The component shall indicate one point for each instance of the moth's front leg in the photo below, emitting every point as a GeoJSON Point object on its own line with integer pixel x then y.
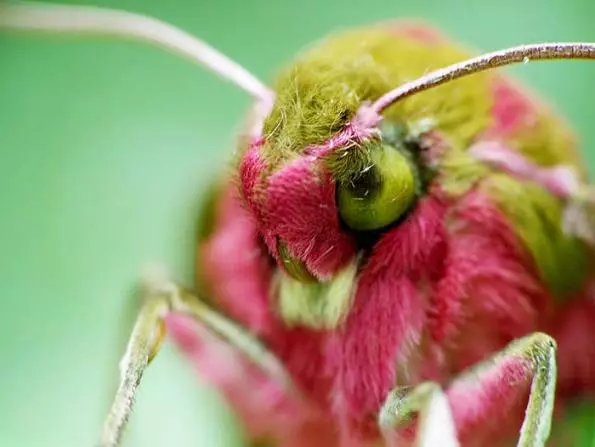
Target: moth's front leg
{"type": "Point", "coordinates": [162, 301]}
{"type": "Point", "coordinates": [480, 393]}
{"type": "Point", "coordinates": [436, 425]}
{"type": "Point", "coordinates": [144, 342]}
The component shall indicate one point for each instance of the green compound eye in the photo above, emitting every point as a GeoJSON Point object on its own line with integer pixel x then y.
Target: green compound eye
{"type": "Point", "coordinates": [380, 194]}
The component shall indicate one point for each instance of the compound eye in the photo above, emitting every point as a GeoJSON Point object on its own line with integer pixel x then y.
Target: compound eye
{"type": "Point", "coordinates": [381, 193]}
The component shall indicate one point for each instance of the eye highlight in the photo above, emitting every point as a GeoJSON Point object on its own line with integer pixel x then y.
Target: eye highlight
{"type": "Point", "coordinates": [379, 194]}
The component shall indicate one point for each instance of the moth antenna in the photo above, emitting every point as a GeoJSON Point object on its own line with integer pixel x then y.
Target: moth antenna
{"type": "Point", "coordinates": [488, 61]}
{"type": "Point", "coordinates": [91, 20]}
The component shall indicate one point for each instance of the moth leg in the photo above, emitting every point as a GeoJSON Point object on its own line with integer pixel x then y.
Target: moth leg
{"type": "Point", "coordinates": [486, 390]}
{"type": "Point", "coordinates": [495, 381]}
{"type": "Point", "coordinates": [184, 301]}
{"type": "Point", "coordinates": [143, 344]}
{"type": "Point", "coordinates": [161, 297]}
{"type": "Point", "coordinates": [436, 424]}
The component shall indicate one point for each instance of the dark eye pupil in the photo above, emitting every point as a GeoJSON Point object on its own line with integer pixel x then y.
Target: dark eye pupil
{"type": "Point", "coordinates": [365, 184]}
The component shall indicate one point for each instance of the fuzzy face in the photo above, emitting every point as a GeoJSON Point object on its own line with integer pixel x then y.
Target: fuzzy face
{"type": "Point", "coordinates": [320, 217]}
{"type": "Point", "coordinates": [322, 201]}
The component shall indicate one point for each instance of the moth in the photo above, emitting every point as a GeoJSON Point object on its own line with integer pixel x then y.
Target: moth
{"type": "Point", "coordinates": [400, 256]}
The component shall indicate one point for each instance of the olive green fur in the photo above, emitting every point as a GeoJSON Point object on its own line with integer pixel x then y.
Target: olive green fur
{"type": "Point", "coordinates": [323, 89]}
{"type": "Point", "coordinates": [346, 163]}
{"type": "Point", "coordinates": [563, 261]}
{"type": "Point", "coordinates": [317, 305]}
{"type": "Point", "coordinates": [460, 171]}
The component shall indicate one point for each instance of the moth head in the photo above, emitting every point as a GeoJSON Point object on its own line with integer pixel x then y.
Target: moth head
{"type": "Point", "coordinates": [315, 207]}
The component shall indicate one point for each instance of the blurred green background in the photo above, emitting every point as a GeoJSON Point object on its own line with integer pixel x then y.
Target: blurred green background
{"type": "Point", "coordinates": [105, 148]}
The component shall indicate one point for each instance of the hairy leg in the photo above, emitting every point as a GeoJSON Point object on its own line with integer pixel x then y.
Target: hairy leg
{"type": "Point", "coordinates": [481, 393]}
{"type": "Point", "coordinates": [160, 298]}
{"type": "Point", "coordinates": [436, 425]}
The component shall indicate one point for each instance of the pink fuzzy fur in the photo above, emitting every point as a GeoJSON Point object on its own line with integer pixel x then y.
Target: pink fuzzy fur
{"type": "Point", "coordinates": [251, 169]}
{"type": "Point", "coordinates": [238, 266]}
{"type": "Point", "coordinates": [387, 317]}
{"type": "Point", "coordinates": [264, 408]}
{"type": "Point", "coordinates": [511, 110]}
{"type": "Point", "coordinates": [239, 273]}
{"type": "Point", "coordinates": [301, 211]}
{"type": "Point", "coordinates": [478, 402]}
{"type": "Point", "coordinates": [485, 264]}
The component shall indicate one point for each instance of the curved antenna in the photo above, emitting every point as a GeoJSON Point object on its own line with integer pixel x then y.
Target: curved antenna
{"type": "Point", "coordinates": [488, 61]}
{"type": "Point", "coordinates": [90, 20]}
